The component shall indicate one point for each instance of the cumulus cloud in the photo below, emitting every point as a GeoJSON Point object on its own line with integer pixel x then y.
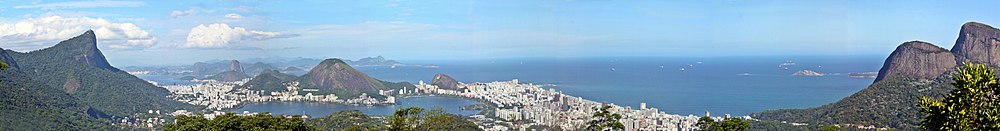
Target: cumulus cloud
{"type": "Point", "coordinates": [220, 35]}
{"type": "Point", "coordinates": [83, 4]}
{"type": "Point", "coordinates": [33, 33]}
{"type": "Point", "coordinates": [179, 13]}
{"type": "Point", "coordinates": [234, 16]}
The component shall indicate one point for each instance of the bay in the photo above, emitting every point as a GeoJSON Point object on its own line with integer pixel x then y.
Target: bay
{"type": "Point", "coordinates": [721, 85]}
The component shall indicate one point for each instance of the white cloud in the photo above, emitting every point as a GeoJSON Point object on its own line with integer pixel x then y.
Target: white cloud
{"type": "Point", "coordinates": [234, 16]}
{"type": "Point", "coordinates": [220, 35]}
{"type": "Point", "coordinates": [84, 4]}
{"type": "Point", "coordinates": [33, 33]}
{"type": "Point", "coordinates": [179, 13]}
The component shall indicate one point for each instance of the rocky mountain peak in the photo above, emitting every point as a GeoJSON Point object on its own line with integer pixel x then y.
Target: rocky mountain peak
{"type": "Point", "coordinates": [978, 43]}
{"type": "Point", "coordinates": [83, 48]}
{"type": "Point", "coordinates": [234, 65]}
{"type": "Point", "coordinates": [917, 59]}
{"type": "Point", "coordinates": [445, 82]}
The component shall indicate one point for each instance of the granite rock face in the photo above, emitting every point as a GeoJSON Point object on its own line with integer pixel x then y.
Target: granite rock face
{"type": "Point", "coordinates": [235, 66]}
{"type": "Point", "coordinates": [445, 82]}
{"type": "Point", "coordinates": [978, 43]}
{"type": "Point", "coordinates": [917, 59]}
{"type": "Point", "coordinates": [83, 48]}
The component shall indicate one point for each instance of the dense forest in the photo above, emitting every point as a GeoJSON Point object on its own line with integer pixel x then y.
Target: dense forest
{"type": "Point", "coordinates": [27, 104]}
{"type": "Point", "coordinates": [888, 103]}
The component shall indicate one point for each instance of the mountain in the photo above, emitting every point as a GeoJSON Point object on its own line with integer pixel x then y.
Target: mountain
{"type": "Point", "coordinates": [269, 81]}
{"type": "Point", "coordinates": [202, 69]}
{"type": "Point", "coordinates": [917, 59]}
{"type": "Point", "coordinates": [235, 73]}
{"type": "Point", "coordinates": [331, 76]}
{"type": "Point", "coordinates": [77, 67]}
{"type": "Point", "coordinates": [915, 69]}
{"type": "Point", "coordinates": [83, 48]}
{"type": "Point", "coordinates": [374, 61]}
{"type": "Point", "coordinates": [30, 105]}
{"type": "Point", "coordinates": [445, 82]}
{"type": "Point", "coordinates": [978, 43]}
{"type": "Point", "coordinates": [235, 66]}
{"type": "Point", "coordinates": [229, 76]}
{"type": "Point", "coordinates": [891, 102]}
{"type": "Point", "coordinates": [336, 76]}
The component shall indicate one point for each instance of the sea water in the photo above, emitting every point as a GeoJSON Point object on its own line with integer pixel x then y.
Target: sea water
{"type": "Point", "coordinates": [722, 85]}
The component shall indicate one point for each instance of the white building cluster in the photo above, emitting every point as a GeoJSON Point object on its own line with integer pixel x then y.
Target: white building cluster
{"type": "Point", "coordinates": [224, 95]}
{"type": "Point", "coordinates": [524, 105]}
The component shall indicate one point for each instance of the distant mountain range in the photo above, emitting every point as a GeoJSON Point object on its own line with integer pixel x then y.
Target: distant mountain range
{"type": "Point", "coordinates": [331, 76]}
{"type": "Point", "coordinates": [913, 70]}
{"type": "Point", "coordinates": [208, 69]}
{"type": "Point", "coordinates": [71, 86]}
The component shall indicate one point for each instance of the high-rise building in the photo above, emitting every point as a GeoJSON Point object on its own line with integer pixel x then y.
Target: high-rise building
{"type": "Point", "coordinates": [642, 106]}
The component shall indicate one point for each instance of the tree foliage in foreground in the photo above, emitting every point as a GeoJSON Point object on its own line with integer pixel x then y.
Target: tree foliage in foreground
{"type": "Point", "coordinates": [349, 120]}
{"type": "Point", "coordinates": [729, 124]}
{"type": "Point", "coordinates": [605, 120]}
{"type": "Point", "coordinates": [974, 104]}
{"type": "Point", "coordinates": [416, 119]}
{"type": "Point", "coordinates": [233, 122]}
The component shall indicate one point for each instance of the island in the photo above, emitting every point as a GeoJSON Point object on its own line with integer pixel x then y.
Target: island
{"type": "Point", "coordinates": [808, 73]}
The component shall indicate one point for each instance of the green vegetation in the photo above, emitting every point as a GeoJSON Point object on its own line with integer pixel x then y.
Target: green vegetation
{"type": "Point", "coordinates": [3, 65]}
{"type": "Point", "coordinates": [269, 81]}
{"type": "Point", "coordinates": [605, 120]}
{"type": "Point", "coordinates": [68, 66]}
{"type": "Point", "coordinates": [27, 104]}
{"type": "Point", "coordinates": [233, 122]}
{"type": "Point", "coordinates": [348, 120]}
{"type": "Point", "coordinates": [891, 102]}
{"type": "Point", "coordinates": [778, 126]}
{"type": "Point", "coordinates": [973, 105]}
{"type": "Point", "coordinates": [406, 119]}
{"type": "Point", "coordinates": [729, 124]}
{"type": "Point", "coordinates": [416, 119]}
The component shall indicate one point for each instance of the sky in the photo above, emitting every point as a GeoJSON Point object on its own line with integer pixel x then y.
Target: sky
{"type": "Point", "coordinates": [184, 32]}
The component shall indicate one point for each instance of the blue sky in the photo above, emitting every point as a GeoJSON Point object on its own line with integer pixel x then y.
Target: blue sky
{"type": "Point", "coordinates": [182, 32]}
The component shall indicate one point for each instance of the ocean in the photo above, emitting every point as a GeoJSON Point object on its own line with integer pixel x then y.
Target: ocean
{"type": "Point", "coordinates": [723, 85]}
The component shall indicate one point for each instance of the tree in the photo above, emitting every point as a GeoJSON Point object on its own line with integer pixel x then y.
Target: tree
{"type": "Point", "coordinates": [974, 104]}
{"type": "Point", "coordinates": [729, 124]}
{"type": "Point", "coordinates": [405, 119]}
{"type": "Point", "coordinates": [3, 65]}
{"type": "Point", "coordinates": [416, 119]}
{"type": "Point", "coordinates": [233, 122]}
{"type": "Point", "coordinates": [352, 120]}
{"type": "Point", "coordinates": [605, 120]}
{"type": "Point", "coordinates": [830, 128]}
{"type": "Point", "coordinates": [735, 124]}
{"type": "Point", "coordinates": [706, 123]}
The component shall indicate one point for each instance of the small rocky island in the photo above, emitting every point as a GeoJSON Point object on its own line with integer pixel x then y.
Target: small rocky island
{"type": "Point", "coordinates": [808, 73]}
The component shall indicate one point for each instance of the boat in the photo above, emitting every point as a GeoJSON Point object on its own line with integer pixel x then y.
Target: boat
{"type": "Point", "coordinates": [612, 69]}
{"type": "Point", "coordinates": [682, 69]}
